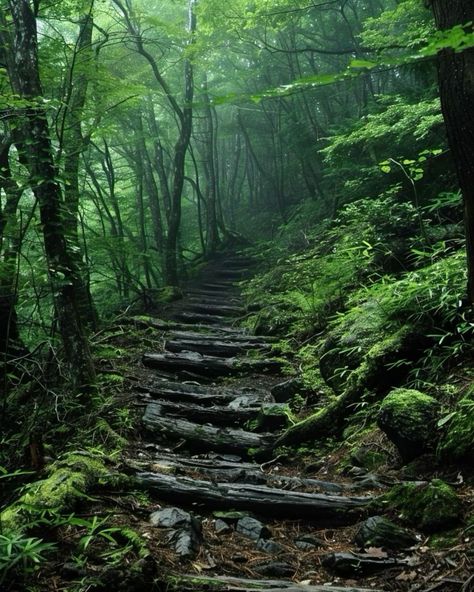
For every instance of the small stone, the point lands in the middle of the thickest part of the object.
(276, 569)
(221, 527)
(170, 518)
(308, 542)
(238, 558)
(269, 546)
(252, 528)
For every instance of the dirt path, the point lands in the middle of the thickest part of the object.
(219, 515)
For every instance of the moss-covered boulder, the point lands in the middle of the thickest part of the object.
(378, 531)
(457, 442)
(409, 418)
(69, 480)
(429, 507)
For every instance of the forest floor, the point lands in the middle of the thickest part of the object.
(202, 397)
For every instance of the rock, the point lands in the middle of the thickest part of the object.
(170, 518)
(284, 391)
(221, 527)
(428, 506)
(252, 528)
(308, 542)
(272, 417)
(276, 569)
(409, 417)
(457, 442)
(378, 531)
(188, 540)
(357, 564)
(269, 546)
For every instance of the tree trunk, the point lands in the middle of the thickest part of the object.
(171, 248)
(73, 144)
(9, 249)
(64, 277)
(456, 83)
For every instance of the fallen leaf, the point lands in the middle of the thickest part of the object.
(376, 552)
(407, 576)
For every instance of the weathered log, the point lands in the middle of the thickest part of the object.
(220, 310)
(218, 286)
(253, 340)
(217, 415)
(195, 318)
(203, 436)
(208, 365)
(194, 583)
(357, 564)
(242, 472)
(181, 391)
(165, 326)
(330, 510)
(218, 348)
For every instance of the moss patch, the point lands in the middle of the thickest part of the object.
(69, 480)
(430, 507)
(457, 443)
(408, 417)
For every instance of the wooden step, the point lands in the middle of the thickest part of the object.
(327, 510)
(219, 348)
(193, 583)
(208, 365)
(203, 436)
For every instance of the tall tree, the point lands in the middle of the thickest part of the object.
(21, 50)
(456, 82)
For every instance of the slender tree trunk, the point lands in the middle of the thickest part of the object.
(171, 248)
(73, 144)
(456, 83)
(10, 340)
(64, 276)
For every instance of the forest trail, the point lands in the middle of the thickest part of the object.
(209, 401)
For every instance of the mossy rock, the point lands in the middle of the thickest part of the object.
(69, 480)
(457, 443)
(430, 507)
(378, 531)
(409, 418)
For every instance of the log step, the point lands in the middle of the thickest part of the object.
(180, 391)
(193, 583)
(242, 472)
(254, 341)
(208, 365)
(215, 309)
(195, 318)
(203, 436)
(214, 414)
(218, 286)
(327, 510)
(224, 349)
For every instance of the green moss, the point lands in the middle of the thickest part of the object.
(444, 541)
(430, 507)
(69, 480)
(408, 417)
(457, 443)
(167, 294)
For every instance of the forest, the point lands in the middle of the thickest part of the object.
(236, 295)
